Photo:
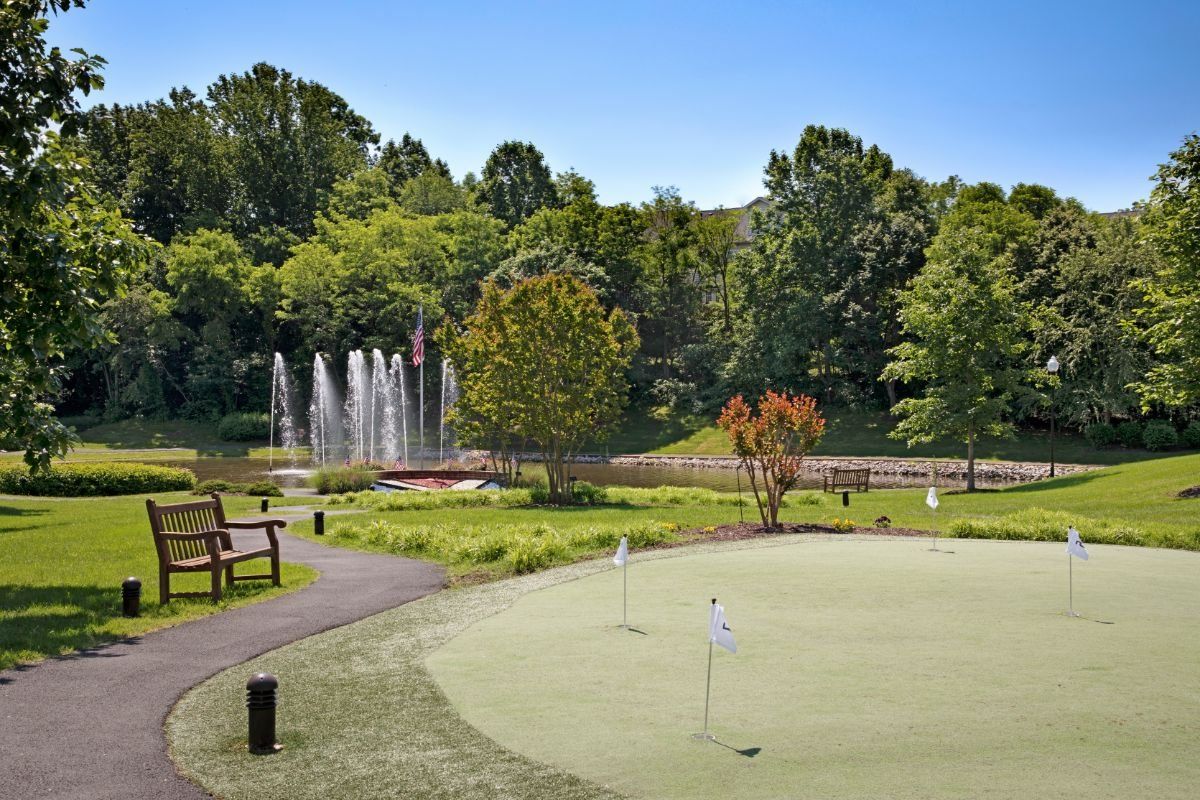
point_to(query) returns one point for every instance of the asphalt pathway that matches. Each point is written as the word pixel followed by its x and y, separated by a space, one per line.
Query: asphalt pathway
pixel 90 725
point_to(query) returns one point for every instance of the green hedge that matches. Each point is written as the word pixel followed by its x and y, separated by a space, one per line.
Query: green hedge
pixel 256 489
pixel 95 479
pixel 244 426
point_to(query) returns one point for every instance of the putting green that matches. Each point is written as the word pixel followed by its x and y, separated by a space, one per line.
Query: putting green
pixel 865 669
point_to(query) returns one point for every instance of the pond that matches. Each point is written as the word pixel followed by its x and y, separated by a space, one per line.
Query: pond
pixel 245 470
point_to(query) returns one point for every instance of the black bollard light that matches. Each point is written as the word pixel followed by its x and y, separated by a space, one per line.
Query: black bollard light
pixel 264 505
pixel 319 523
pixel 260 702
pixel 846 499
pixel 131 597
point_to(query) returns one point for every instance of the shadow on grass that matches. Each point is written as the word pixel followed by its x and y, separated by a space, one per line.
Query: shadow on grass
pixel 748 752
pixel 47 621
pixel 1050 484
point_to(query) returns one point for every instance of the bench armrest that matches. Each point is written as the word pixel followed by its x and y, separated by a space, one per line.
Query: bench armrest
pixel 267 525
pixel 254 524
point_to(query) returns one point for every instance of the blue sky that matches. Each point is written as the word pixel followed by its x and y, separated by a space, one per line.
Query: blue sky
pixel 1087 97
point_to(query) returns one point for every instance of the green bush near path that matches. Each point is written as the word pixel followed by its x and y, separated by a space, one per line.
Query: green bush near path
pixel 1040 525
pixel 61 566
pixel 94 480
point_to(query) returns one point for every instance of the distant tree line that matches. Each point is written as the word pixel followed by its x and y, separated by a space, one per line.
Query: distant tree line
pixel 283 224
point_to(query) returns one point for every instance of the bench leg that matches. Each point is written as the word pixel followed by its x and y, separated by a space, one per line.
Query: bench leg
pixel 164 585
pixel 229 576
pixel 216 583
pixel 275 567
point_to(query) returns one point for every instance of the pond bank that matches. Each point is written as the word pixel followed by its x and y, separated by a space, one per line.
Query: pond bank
pixel 997 472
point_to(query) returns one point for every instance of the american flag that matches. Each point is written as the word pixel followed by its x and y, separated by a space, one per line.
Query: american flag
pixel 419 339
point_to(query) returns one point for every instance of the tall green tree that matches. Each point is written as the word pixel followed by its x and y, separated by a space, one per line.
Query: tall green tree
pixel 290 140
pixel 408 159
pixel 543 362
pixel 516 182
pixel 65 251
pixel 966 336
pixel 804 278
pixel 670 277
pixel 1171 307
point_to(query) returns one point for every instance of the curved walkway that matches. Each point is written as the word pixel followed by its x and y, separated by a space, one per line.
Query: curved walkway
pixel 90 725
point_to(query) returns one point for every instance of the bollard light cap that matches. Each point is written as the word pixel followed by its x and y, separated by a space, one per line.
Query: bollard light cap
pixel 131 583
pixel 262 681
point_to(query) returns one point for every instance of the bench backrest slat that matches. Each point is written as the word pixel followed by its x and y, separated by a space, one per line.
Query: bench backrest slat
pixel 194 517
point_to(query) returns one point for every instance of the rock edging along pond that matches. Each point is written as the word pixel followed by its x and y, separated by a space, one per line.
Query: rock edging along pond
pixel 985 471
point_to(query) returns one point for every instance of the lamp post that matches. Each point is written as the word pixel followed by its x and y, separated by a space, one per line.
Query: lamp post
pixel 1052 367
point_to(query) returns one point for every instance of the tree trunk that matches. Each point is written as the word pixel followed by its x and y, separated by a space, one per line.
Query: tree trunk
pixel 971 457
pixel 890 384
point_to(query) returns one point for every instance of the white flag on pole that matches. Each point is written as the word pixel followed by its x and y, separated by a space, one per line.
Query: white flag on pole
pixel 622 552
pixel 718 629
pixel 1074 545
pixel 931 498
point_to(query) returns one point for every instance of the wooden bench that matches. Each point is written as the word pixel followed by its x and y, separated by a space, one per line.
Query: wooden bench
pixel 857 479
pixel 194 537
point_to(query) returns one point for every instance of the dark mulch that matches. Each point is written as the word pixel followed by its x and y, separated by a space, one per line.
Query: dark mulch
pixel 1190 493
pixel 754 530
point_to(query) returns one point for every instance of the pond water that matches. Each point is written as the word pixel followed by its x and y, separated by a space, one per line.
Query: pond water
pixel 245 470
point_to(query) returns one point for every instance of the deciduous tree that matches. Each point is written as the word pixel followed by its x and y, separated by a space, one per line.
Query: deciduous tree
pixel 772 444
pixel 542 362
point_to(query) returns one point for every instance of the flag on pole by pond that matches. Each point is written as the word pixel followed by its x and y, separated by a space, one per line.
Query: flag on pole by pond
pixel 718 629
pixel 622 552
pixel 1075 545
pixel 418 342
pixel 931 498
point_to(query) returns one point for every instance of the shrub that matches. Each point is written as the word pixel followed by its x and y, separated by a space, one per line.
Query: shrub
pixel 1101 434
pixel 589 494
pixel 539 493
pixel 338 480
pixel 95 479
pixel 1160 435
pixel 1130 433
pixel 1191 435
pixel 1040 525
pixel 243 426
pixel 256 488
pixel 843 525
pixel 883 522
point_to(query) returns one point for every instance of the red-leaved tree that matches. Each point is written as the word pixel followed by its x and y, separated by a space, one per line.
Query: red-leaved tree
pixel 773 444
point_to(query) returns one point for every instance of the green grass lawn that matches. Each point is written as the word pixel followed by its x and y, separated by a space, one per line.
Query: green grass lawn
pixel 61 566
pixel 865 669
pixel 479 541
pixel 857 434
pixel 153 440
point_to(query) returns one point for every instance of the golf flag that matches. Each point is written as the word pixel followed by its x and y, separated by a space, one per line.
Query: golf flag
pixel 931 498
pixel 622 552
pixel 1075 546
pixel 718 629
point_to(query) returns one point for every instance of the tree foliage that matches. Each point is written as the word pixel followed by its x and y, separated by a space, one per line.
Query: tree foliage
pixel 542 362
pixel 516 182
pixel 772 444
pixel 65 251
pixel 1171 306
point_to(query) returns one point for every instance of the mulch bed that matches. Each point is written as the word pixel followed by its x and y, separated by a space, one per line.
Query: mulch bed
pixel 1190 493
pixel 754 530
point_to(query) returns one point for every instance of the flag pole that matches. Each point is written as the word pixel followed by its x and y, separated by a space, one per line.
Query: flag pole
pixel 421 385
pixel 1071 587
pixel 705 735
pixel 625 593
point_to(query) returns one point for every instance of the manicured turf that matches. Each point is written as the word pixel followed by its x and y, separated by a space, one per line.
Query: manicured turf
pixel 865 669
pixel 61 566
